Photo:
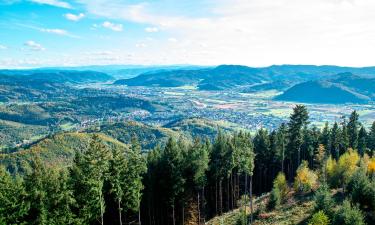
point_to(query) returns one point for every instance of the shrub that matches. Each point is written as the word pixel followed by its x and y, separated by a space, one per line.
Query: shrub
pixel 346 166
pixel 323 200
pixel 305 179
pixel 319 218
pixel 330 168
pixel 281 184
pixel 241 219
pixel 275 198
pixel 348 215
pixel 362 190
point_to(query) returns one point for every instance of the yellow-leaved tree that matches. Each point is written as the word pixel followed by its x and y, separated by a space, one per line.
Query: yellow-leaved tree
pixel 305 179
pixel 346 166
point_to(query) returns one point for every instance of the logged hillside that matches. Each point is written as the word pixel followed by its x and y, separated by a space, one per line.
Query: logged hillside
pixel 344 88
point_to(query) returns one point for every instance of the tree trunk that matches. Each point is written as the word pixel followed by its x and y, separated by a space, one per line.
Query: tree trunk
pixel 204 207
pixel 245 195
pixel 139 217
pixel 221 197
pixel 199 211
pixel 119 211
pixel 216 209
pixel 173 218
pixel 251 199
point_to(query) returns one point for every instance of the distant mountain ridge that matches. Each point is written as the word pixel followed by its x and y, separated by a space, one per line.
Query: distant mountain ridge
pixel 230 76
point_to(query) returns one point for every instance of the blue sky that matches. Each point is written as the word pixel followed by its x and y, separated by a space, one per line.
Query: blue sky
pixel 36 33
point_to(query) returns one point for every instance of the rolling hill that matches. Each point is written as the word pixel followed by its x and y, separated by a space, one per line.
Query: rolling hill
pixel 343 88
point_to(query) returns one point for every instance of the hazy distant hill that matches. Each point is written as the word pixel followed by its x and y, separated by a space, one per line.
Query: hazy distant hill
pixel 343 88
pixel 230 76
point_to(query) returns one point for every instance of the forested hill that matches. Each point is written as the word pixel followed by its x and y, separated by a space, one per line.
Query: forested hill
pixel 343 88
pixel 53 76
pixel 326 175
pixel 230 76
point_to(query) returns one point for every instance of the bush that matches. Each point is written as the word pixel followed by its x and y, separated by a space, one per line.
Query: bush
pixel 346 166
pixel 242 219
pixel 323 200
pixel 362 190
pixel 305 179
pixel 319 218
pixel 348 215
pixel 275 198
pixel 281 184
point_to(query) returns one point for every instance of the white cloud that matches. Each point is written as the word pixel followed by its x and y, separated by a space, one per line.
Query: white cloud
pixel 3 47
pixel 259 32
pixel 32 45
pixel 54 31
pixel 74 17
pixel 56 3
pixel 141 45
pixel 113 26
pixel 174 40
pixel 151 29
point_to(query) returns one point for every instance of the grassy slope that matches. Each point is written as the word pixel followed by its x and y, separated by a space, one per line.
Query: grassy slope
pixel 296 210
pixel 15 133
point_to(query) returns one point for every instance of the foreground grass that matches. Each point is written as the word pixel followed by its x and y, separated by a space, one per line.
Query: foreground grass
pixel 296 210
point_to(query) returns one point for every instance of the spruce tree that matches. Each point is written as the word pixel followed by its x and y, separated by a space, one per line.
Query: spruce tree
pixel 352 127
pixel 362 141
pixel 13 204
pixel 298 120
pixel 89 172
pixel 117 172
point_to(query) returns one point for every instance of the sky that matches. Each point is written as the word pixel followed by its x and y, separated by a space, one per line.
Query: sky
pixel 41 33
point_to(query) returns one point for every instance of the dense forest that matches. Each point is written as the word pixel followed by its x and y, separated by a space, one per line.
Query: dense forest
pixel 189 182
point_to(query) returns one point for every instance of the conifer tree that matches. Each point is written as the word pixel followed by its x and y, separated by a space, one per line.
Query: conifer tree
pixel 89 172
pixel 117 172
pixel 172 179
pixel 371 139
pixel 352 127
pixel 133 186
pixel 13 204
pixel 298 120
pixel 362 141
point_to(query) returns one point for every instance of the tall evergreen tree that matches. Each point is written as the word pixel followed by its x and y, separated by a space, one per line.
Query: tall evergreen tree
pixel 13 204
pixel 172 179
pixel 117 173
pixel 371 139
pixel 362 141
pixel 298 120
pixel 335 141
pixel 133 186
pixel 89 172
pixel 352 127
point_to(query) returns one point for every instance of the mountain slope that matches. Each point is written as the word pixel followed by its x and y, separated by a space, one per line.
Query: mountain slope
pixel 57 149
pixel 343 88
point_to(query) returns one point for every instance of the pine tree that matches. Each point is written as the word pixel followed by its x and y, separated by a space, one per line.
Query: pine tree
pixel 325 136
pixel 89 172
pixel 335 141
pixel 298 120
pixel 172 179
pixel 352 127
pixel 13 204
pixel 282 142
pixel 118 167
pixel 196 166
pixel 362 141
pixel 133 186
pixel 371 139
